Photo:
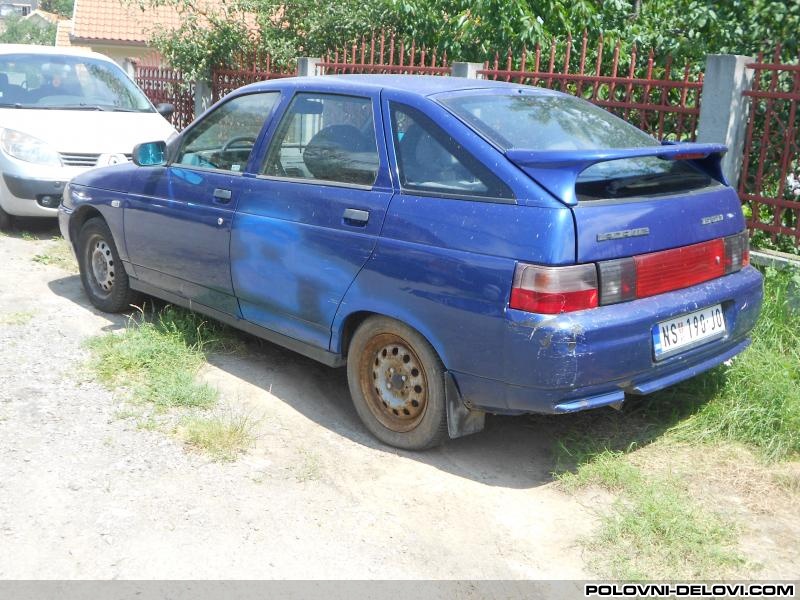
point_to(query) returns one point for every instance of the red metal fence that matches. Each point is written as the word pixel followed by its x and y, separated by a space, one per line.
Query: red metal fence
pixel 661 98
pixel 770 182
pixel 252 69
pixel 382 55
pixel 163 84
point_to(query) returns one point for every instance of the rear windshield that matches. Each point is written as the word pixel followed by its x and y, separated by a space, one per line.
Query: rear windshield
pixel 520 120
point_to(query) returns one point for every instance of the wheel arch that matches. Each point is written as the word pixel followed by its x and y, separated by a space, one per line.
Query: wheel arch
pixel 346 325
pixel 78 220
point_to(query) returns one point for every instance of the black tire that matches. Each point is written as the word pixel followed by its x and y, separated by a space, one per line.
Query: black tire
pixel 98 256
pixel 6 220
pixel 397 384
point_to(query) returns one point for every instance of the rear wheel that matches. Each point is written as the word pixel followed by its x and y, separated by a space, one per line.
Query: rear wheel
pixel 6 220
pixel 102 273
pixel 397 384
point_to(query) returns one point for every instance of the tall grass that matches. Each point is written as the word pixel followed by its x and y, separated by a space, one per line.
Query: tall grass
pixel 756 399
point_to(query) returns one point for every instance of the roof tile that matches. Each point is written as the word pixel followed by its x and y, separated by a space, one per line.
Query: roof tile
pixel 119 21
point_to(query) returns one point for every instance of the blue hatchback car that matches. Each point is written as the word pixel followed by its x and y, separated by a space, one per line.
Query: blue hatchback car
pixel 463 246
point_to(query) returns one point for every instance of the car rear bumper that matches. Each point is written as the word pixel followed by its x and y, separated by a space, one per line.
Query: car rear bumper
pixel 580 360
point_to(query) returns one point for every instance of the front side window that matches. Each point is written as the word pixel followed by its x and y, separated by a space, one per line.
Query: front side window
pixel 43 81
pixel 325 137
pixel 431 161
pixel 225 138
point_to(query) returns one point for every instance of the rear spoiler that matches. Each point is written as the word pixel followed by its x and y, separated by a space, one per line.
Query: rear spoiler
pixel 558 170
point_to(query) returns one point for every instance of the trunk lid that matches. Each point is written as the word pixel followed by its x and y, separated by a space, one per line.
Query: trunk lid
pixel 651 215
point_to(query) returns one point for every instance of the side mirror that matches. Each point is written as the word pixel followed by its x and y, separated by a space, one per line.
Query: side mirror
pixel 165 110
pixel 150 154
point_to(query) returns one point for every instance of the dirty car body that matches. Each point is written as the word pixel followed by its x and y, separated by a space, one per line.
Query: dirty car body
pixel 554 257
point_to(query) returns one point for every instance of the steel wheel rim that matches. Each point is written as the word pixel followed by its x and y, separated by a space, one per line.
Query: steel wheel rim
pixel 101 262
pixel 394 383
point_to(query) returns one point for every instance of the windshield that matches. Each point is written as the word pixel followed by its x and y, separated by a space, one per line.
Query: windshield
pixel 520 120
pixel 43 81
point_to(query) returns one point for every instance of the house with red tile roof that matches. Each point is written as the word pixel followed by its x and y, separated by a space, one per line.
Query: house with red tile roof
pixel 118 28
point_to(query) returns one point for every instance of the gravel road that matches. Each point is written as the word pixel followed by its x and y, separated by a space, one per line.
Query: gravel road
pixel 85 493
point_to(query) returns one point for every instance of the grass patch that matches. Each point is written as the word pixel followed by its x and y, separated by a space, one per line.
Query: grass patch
pixel 223 437
pixel 16 318
pixel 310 468
pixel 756 399
pixel 58 254
pixel 654 530
pixel 157 357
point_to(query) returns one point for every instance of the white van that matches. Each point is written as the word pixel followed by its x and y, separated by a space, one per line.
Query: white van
pixel 63 111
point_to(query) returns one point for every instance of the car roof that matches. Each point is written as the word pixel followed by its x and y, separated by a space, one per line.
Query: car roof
pixel 423 85
pixel 50 51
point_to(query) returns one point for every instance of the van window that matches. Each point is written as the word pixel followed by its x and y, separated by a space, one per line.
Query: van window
pixel 44 81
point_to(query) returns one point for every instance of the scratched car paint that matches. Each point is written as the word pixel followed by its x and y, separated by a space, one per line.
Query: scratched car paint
pixel 463 247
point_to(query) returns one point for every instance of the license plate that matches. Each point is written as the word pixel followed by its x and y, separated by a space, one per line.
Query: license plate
pixel 689 330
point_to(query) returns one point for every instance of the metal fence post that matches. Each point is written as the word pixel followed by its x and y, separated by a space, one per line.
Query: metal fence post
pixel 724 108
pixel 203 97
pixel 466 69
pixel 307 67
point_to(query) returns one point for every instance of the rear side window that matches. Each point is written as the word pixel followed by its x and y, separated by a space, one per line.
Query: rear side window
pixel 431 161
pixel 326 138
pixel 517 120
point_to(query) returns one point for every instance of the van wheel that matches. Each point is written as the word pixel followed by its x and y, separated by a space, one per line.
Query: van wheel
pixel 6 220
pixel 397 384
pixel 102 273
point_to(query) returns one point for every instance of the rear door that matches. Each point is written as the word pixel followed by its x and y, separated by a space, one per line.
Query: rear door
pixel 310 218
pixel 178 218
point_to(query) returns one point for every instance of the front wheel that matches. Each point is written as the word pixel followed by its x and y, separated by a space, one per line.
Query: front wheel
pixel 397 384
pixel 102 274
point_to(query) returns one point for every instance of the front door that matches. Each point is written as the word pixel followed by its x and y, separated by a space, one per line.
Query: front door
pixel 311 218
pixel 178 218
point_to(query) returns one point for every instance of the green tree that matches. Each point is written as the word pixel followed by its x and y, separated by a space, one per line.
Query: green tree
pixel 59 7
pixel 473 29
pixel 21 31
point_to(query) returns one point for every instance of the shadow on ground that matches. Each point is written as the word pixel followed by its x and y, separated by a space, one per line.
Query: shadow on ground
pixel 512 452
pixel 36 229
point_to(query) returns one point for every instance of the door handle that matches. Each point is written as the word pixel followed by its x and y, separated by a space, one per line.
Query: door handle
pixel 222 196
pixel 356 217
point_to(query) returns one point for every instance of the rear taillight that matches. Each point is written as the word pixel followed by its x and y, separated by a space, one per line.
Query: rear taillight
pixel 737 252
pixel 553 290
pixel 669 270
pixel 650 274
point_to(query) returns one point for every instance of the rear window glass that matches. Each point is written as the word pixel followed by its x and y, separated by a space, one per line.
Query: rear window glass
pixel 521 120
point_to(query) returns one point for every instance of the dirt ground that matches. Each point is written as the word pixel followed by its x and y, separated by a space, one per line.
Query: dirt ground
pixel 87 494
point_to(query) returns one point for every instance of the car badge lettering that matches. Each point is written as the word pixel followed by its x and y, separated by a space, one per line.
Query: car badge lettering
pixel 711 219
pixel 625 233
